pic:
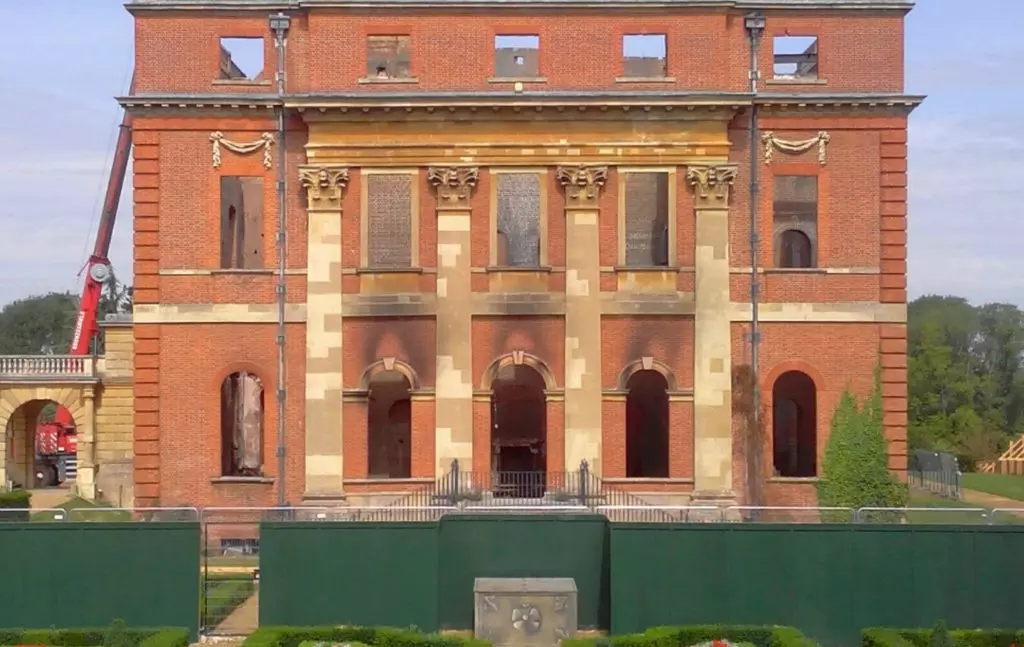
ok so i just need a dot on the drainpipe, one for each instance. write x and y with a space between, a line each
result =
755 24
279 24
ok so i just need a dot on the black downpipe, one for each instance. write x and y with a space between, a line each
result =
279 24
755 26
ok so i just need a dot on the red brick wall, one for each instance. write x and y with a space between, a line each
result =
179 52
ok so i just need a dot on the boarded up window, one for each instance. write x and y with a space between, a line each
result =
644 55
389 220
387 57
795 216
518 220
241 425
516 56
241 223
646 219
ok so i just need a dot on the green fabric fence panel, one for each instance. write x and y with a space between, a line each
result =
83 575
569 545
322 573
829 581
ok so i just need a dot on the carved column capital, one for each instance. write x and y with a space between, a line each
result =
325 186
454 185
582 185
711 185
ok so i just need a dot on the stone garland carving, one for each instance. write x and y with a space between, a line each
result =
582 184
265 142
454 185
793 147
324 184
711 184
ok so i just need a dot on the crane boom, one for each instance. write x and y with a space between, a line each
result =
98 269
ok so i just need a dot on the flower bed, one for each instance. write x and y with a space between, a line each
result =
369 636
707 635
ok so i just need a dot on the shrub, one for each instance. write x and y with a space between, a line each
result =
885 637
375 636
166 637
856 463
686 636
15 505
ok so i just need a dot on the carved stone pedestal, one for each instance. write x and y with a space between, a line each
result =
525 611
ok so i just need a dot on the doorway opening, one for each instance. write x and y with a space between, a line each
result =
518 433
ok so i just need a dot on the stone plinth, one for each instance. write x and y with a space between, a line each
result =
536 611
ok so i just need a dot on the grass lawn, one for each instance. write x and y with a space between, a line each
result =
79 509
1009 486
221 594
946 511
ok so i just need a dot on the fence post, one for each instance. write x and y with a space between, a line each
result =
584 477
455 481
856 515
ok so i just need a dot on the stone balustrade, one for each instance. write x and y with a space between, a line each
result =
54 368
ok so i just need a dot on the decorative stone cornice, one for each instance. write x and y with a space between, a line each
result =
325 186
711 185
582 185
454 185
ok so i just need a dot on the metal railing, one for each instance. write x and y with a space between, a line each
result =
46 367
935 472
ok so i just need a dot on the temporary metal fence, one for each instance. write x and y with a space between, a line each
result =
936 472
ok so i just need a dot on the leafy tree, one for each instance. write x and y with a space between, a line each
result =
856 462
38 324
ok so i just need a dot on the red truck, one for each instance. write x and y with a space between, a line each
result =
56 449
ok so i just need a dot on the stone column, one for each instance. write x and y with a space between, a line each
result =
325 187
453 408
712 374
582 186
85 482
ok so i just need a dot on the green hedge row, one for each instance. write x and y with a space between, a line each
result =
15 506
940 637
167 637
682 636
376 636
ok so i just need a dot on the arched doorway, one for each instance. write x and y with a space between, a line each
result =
518 432
41 445
389 426
647 425
794 425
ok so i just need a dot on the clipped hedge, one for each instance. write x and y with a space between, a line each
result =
694 635
15 506
164 637
373 636
886 637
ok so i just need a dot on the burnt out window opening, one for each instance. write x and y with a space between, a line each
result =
795 221
644 55
242 59
647 425
241 223
795 58
389 220
518 221
794 426
241 425
389 426
517 56
387 57
646 236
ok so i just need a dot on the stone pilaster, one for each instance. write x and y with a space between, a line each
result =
582 186
85 481
453 411
325 186
712 375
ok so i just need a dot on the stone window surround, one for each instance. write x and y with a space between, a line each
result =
673 196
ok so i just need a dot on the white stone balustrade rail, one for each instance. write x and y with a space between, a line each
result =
47 367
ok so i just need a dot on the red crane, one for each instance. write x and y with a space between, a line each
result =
56 441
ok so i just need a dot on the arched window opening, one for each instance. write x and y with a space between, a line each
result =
519 432
241 425
389 426
794 425
795 250
647 425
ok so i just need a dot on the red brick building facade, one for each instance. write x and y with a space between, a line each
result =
515 236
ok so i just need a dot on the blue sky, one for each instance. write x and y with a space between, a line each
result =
966 156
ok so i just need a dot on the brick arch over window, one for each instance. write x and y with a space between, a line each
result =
389 364
646 364
793 391
517 358
768 379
